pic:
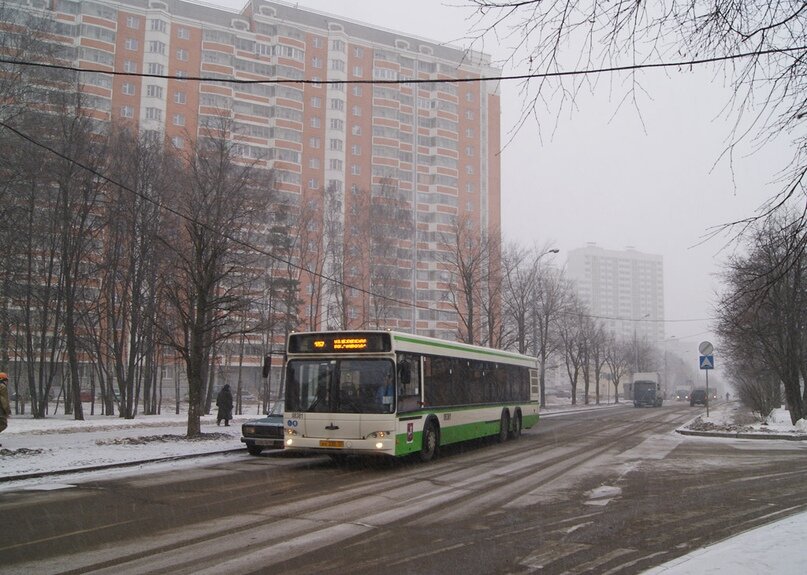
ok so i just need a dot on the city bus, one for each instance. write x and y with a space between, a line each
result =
397 394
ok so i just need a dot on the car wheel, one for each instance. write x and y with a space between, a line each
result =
254 449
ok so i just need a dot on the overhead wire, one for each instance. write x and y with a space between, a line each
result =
238 241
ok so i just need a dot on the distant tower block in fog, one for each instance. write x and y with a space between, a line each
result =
625 288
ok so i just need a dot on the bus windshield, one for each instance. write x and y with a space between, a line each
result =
341 386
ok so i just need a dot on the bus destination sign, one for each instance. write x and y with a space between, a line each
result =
339 343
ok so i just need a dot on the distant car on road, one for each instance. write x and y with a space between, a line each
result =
698 397
264 433
681 394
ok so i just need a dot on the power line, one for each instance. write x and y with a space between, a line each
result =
530 76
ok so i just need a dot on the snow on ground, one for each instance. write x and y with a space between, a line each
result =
60 443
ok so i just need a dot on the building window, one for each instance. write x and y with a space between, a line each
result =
180 75
355 170
337 124
154 114
356 110
313 163
469 96
469 151
129 67
133 22
358 52
355 130
337 65
337 104
316 102
178 142
469 114
469 169
179 119
153 91
335 145
316 42
180 98
338 45
358 71
316 122
314 142
316 62
127 112
158 26
469 132
130 44
129 89
355 149
335 164
357 90
469 187
183 33
156 69
157 47
313 184
182 55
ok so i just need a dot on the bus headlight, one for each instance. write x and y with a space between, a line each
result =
290 431
289 442
381 434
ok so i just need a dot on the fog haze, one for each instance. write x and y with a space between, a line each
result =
649 173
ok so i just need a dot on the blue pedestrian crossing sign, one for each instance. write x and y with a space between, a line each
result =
707 362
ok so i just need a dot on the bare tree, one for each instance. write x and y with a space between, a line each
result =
762 313
32 266
123 323
466 255
571 333
218 199
618 359
553 299
758 47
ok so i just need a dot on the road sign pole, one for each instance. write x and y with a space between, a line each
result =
707 393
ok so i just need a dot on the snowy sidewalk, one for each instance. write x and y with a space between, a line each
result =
60 443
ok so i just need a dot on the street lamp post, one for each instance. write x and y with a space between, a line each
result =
541 360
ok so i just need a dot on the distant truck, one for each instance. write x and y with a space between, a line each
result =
644 390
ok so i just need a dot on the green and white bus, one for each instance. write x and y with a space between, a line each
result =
397 394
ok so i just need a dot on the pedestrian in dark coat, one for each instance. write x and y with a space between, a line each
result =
224 401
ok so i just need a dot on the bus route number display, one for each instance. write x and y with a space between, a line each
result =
339 343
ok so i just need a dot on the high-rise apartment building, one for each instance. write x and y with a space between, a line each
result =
624 289
331 105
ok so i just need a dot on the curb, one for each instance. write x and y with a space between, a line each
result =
40 474
742 435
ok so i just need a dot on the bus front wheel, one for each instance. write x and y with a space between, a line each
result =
428 448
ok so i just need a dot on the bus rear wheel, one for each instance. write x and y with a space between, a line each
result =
515 430
504 429
428 448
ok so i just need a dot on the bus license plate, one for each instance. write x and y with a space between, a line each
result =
330 443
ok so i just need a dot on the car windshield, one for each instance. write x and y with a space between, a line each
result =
341 386
277 408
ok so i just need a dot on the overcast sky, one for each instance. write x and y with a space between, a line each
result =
602 174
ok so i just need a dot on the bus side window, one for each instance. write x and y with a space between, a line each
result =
408 381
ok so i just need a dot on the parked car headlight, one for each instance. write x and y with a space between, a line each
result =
381 434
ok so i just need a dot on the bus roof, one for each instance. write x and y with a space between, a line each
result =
424 344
